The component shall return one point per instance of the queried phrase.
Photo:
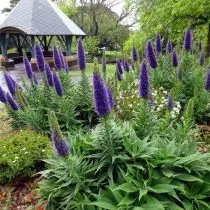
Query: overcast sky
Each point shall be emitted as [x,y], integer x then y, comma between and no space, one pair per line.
[5,3]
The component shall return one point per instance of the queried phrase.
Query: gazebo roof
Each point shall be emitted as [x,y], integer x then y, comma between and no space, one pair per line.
[39,17]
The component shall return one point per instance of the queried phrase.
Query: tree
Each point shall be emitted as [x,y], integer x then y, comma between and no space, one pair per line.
[171,17]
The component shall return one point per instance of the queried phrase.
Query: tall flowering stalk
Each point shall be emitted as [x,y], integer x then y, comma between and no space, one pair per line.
[188,40]
[100,96]
[28,68]
[81,55]
[57,58]
[144,89]
[35,79]
[10,83]
[169,47]
[134,54]
[39,57]
[66,68]
[200,47]
[60,144]
[201,59]
[174,59]
[48,75]
[126,66]
[169,104]
[158,43]
[119,67]
[111,101]
[119,76]
[12,103]
[207,85]
[151,55]
[57,84]
[179,73]
[63,61]
[3,97]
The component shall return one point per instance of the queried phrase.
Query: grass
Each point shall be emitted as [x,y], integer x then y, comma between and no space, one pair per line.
[89,70]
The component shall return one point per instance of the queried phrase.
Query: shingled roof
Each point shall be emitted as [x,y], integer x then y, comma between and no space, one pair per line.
[40,17]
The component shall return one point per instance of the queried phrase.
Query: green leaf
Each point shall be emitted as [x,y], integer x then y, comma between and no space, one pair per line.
[188,178]
[104,205]
[127,187]
[162,188]
[127,200]
[142,192]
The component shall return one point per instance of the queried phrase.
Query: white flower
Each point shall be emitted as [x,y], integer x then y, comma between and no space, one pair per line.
[173,116]
[16,158]
[165,92]
[14,161]
[24,149]
[43,150]
[4,155]
[26,152]
[158,109]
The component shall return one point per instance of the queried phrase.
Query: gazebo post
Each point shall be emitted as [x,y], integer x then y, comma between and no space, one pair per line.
[32,45]
[4,42]
[68,42]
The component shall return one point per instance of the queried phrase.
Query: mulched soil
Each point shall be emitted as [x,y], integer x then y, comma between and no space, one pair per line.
[21,194]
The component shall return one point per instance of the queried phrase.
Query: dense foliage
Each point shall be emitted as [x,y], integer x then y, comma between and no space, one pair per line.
[21,154]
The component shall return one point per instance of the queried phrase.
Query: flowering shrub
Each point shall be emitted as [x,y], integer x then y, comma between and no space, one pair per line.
[21,154]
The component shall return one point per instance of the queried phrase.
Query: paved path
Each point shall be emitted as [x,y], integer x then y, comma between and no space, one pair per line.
[19,72]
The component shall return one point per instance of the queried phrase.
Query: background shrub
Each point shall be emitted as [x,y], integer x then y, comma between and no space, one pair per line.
[21,154]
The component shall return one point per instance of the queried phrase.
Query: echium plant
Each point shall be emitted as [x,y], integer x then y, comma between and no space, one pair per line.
[169,47]
[28,68]
[48,75]
[10,83]
[60,144]
[39,57]
[57,84]
[100,96]
[119,67]
[57,58]
[134,55]
[81,55]
[151,55]
[158,43]
[144,89]
[3,98]
[174,59]
[187,40]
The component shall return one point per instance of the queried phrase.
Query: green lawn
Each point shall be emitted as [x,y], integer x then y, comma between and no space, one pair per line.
[89,70]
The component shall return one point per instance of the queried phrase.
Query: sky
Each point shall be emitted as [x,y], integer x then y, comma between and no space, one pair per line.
[117,9]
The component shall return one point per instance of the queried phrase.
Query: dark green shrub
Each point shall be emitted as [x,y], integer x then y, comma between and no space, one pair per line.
[22,153]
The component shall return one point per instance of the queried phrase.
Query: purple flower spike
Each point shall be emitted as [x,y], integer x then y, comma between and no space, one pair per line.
[119,67]
[35,79]
[144,90]
[63,61]
[158,43]
[12,103]
[174,59]
[39,57]
[56,58]
[48,75]
[201,59]
[126,66]
[60,145]
[119,76]
[179,74]
[169,47]
[3,98]
[134,54]
[169,104]
[57,84]
[188,40]
[200,46]
[101,97]
[207,85]
[66,68]
[111,102]
[81,55]
[10,83]
[151,55]
[28,68]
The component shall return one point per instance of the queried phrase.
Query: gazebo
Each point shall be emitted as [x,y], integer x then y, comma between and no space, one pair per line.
[37,20]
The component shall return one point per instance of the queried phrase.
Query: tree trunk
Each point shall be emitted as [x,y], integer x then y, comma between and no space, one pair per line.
[208,42]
